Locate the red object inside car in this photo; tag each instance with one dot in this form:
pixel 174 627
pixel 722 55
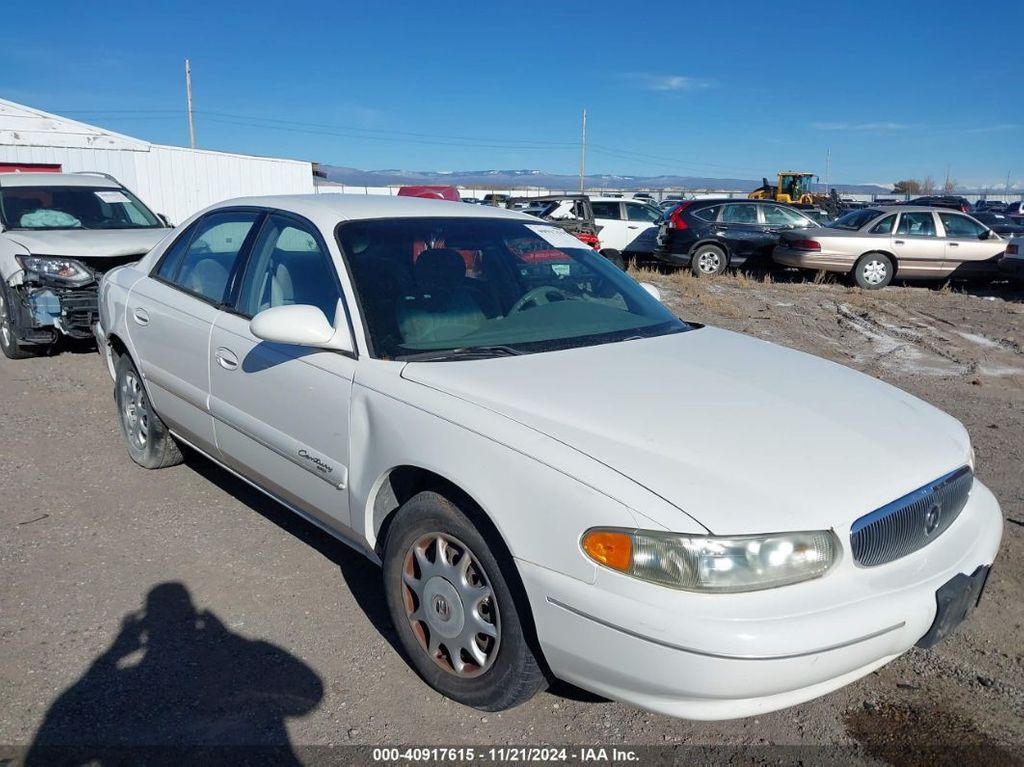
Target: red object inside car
pixel 431 192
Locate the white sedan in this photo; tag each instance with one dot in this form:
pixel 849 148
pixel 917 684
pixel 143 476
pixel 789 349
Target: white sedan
pixel 478 402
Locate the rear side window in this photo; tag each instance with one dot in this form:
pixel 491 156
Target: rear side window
pixel 606 210
pixel 739 214
pixel 206 266
pixel 917 225
pixel 885 225
pixel 642 213
pixel 777 215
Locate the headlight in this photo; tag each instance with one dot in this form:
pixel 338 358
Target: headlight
pixel 714 563
pixel 66 269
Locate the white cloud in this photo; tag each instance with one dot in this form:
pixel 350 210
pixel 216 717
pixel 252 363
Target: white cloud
pixel 670 82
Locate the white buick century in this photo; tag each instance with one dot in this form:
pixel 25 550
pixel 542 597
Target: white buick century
pixel 506 422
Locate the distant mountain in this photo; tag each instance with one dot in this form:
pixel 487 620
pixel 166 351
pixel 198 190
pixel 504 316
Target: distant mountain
pixel 509 179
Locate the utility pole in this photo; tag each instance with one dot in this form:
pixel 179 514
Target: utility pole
pixel 188 96
pixel 945 186
pixel 583 153
pixel 1007 188
pixel 828 168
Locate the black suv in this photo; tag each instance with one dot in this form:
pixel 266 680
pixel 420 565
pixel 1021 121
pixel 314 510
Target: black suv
pixel 712 235
pixel 950 201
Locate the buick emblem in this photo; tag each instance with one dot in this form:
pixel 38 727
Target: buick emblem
pixel 932 518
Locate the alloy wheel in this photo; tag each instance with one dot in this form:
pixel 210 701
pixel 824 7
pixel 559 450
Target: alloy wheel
pixel 450 605
pixel 5 321
pixel 709 262
pixel 134 409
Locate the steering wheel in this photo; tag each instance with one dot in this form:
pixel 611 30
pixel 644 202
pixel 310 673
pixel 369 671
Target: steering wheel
pixel 533 297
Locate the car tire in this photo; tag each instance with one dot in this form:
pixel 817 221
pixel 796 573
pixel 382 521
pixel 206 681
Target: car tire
pixel 873 271
pixel 708 261
pixel 149 442
pixel 615 257
pixel 9 328
pixel 493 669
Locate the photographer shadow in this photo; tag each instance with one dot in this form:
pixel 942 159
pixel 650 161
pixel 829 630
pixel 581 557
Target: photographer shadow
pixel 178 685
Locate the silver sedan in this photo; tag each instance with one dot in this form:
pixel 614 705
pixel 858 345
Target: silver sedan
pixel 874 245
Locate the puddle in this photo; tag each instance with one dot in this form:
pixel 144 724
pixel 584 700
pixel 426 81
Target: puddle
pixel 924 736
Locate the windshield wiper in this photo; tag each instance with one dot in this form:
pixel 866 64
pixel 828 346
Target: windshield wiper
pixel 463 353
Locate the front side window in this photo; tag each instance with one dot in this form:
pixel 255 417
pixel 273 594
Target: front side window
pixel 207 264
pixel 288 266
pixel 606 210
pixel 961 227
pixel 434 286
pixel 642 213
pixel 73 207
pixel 920 224
pixel 739 214
pixel 776 215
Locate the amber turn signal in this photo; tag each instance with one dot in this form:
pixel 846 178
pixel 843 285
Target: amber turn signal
pixel 610 548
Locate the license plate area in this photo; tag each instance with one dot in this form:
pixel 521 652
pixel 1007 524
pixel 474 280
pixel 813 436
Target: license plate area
pixel 954 602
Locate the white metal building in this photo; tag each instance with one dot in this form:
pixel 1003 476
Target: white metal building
pixel 172 180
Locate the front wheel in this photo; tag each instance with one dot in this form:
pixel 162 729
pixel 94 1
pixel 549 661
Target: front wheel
pixel 453 610
pixel 9 328
pixel 708 260
pixel 149 442
pixel 873 271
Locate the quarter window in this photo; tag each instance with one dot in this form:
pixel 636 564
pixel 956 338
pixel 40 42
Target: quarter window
pixel 961 226
pixel 607 210
pixel 288 266
pixel 917 225
pixel 210 258
pixel 707 214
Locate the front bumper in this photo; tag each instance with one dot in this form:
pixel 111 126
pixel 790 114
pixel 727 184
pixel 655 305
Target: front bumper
pixel 48 310
pixel 702 656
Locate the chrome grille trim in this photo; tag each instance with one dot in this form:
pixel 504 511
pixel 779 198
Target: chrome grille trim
pixel 902 527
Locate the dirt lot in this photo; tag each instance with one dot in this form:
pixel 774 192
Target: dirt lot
pixel 259 629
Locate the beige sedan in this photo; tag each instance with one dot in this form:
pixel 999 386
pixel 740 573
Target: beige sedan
pixel 874 245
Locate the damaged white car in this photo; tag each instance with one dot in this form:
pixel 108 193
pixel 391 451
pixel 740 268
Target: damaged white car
pixel 59 232
pixel 491 410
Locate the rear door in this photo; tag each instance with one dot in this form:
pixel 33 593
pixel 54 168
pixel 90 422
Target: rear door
pixel 740 225
pixel 170 314
pixel 641 227
pixel 779 219
pixel 281 411
pixel 965 248
pixel 918 248
pixel 608 215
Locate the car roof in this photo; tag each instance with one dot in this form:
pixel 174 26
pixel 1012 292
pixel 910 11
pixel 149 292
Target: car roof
pixel 367 206
pixel 912 209
pixel 8 180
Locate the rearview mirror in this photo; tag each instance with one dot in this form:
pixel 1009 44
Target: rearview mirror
pixel 302 325
pixel 653 290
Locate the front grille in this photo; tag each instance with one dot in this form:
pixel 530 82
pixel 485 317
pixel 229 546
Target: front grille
pixel 911 522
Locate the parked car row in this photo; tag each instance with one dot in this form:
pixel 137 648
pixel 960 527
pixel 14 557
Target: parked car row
pixel 873 245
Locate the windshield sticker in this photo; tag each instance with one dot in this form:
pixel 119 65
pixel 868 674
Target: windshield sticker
pixel 112 197
pixel 555 236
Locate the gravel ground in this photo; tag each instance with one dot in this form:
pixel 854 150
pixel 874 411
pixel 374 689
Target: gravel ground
pixel 179 606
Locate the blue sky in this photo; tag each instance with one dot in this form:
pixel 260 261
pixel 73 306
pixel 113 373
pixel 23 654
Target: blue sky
pixel 716 89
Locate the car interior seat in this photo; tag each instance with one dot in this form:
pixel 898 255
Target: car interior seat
pixel 442 307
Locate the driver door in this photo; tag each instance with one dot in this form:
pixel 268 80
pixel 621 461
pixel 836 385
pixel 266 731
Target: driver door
pixel 281 412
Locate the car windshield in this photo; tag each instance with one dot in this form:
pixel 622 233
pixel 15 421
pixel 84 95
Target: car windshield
pixel 855 219
pixel 73 207
pixel 444 287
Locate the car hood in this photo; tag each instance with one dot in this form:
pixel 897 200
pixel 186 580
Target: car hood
pixel 742 435
pixel 88 243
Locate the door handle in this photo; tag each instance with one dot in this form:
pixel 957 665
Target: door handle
pixel 226 358
pixel 632 226
pixel 954 244
pixel 898 242
pixel 140 315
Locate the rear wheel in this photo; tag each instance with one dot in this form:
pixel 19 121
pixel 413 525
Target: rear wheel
pixel 708 260
pixel 873 271
pixel 453 609
pixel 149 442
pixel 9 328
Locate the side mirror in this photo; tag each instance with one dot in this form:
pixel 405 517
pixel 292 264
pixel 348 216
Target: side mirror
pixel 166 222
pixel 653 290
pixel 302 325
